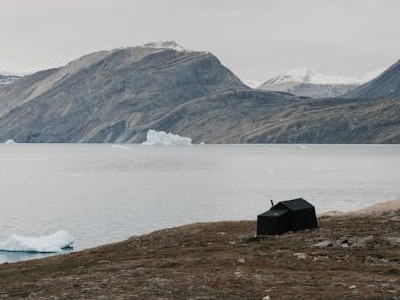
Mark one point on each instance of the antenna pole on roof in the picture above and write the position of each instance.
(272, 202)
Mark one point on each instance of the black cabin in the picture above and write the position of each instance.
(291, 215)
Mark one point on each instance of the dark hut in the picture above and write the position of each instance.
(291, 215)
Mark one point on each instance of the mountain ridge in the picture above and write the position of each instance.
(108, 95)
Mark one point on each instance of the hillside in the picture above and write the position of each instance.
(347, 257)
(268, 117)
(386, 85)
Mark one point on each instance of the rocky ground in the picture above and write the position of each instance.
(349, 257)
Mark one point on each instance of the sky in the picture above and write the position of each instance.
(256, 39)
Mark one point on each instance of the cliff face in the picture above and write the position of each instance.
(118, 95)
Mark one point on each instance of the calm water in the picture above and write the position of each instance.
(106, 193)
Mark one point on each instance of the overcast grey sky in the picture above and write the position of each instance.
(255, 38)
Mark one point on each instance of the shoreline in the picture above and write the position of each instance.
(358, 259)
(388, 206)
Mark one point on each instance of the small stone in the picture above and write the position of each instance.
(243, 239)
(301, 255)
(266, 298)
(241, 260)
(323, 244)
(352, 287)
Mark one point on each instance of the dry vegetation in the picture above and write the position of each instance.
(358, 259)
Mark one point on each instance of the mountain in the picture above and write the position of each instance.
(386, 85)
(119, 95)
(109, 96)
(309, 83)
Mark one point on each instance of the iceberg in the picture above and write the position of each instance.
(163, 138)
(45, 244)
(10, 142)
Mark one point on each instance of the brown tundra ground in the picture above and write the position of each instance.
(359, 258)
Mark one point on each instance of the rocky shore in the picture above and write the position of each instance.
(352, 256)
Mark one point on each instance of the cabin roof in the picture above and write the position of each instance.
(295, 204)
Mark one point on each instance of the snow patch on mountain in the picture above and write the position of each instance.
(252, 83)
(167, 45)
(306, 75)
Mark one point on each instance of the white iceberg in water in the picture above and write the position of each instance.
(164, 138)
(10, 142)
(47, 244)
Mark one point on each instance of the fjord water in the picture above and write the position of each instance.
(102, 193)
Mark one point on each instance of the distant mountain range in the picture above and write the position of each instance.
(119, 95)
(309, 83)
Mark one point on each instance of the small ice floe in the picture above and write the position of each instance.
(45, 244)
(10, 142)
(165, 139)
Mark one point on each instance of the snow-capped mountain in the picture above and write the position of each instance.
(306, 75)
(310, 83)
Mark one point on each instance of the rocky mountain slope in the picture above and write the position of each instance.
(7, 79)
(309, 83)
(119, 95)
(387, 85)
(109, 96)
(270, 117)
